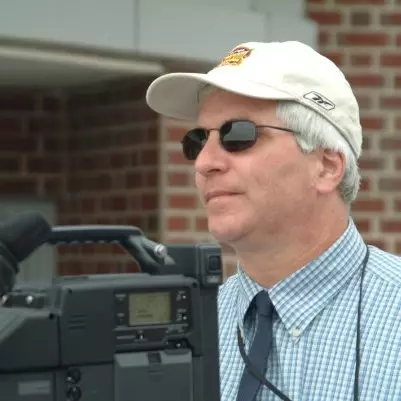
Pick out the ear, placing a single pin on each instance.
(330, 172)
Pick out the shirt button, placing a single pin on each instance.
(296, 332)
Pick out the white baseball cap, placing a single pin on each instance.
(276, 70)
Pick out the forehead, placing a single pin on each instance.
(218, 106)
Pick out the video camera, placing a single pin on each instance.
(146, 336)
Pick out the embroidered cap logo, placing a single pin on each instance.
(236, 56)
(320, 100)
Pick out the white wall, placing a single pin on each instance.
(194, 29)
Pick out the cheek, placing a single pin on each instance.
(277, 178)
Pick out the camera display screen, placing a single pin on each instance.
(149, 308)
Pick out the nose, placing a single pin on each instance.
(212, 158)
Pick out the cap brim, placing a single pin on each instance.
(176, 95)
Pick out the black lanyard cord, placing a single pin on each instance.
(358, 328)
(257, 374)
(274, 389)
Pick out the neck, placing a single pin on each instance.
(292, 249)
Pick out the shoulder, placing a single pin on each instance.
(385, 267)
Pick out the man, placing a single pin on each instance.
(313, 310)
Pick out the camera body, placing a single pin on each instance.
(151, 335)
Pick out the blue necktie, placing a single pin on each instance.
(259, 351)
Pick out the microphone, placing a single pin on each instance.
(19, 237)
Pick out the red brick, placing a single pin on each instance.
(10, 125)
(390, 19)
(182, 201)
(363, 225)
(398, 122)
(363, 39)
(363, 59)
(178, 223)
(118, 160)
(391, 226)
(326, 17)
(390, 184)
(372, 123)
(149, 201)
(366, 80)
(44, 164)
(201, 224)
(391, 102)
(87, 205)
(151, 178)
(361, 2)
(368, 205)
(17, 143)
(177, 158)
(398, 40)
(336, 57)
(28, 186)
(148, 157)
(96, 183)
(117, 203)
(178, 179)
(390, 60)
(134, 179)
(371, 163)
(390, 143)
(176, 133)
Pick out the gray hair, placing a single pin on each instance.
(316, 132)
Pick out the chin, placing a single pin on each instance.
(226, 231)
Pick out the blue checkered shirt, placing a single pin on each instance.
(314, 327)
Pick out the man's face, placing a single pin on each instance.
(267, 186)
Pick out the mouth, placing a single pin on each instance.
(217, 194)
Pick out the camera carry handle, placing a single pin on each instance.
(150, 255)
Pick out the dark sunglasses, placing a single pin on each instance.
(235, 136)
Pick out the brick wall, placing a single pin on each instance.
(363, 38)
(103, 157)
(93, 152)
(29, 153)
(112, 170)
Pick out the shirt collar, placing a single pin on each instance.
(300, 297)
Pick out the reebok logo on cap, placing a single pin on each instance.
(320, 100)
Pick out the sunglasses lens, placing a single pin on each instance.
(193, 142)
(238, 135)
(235, 136)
